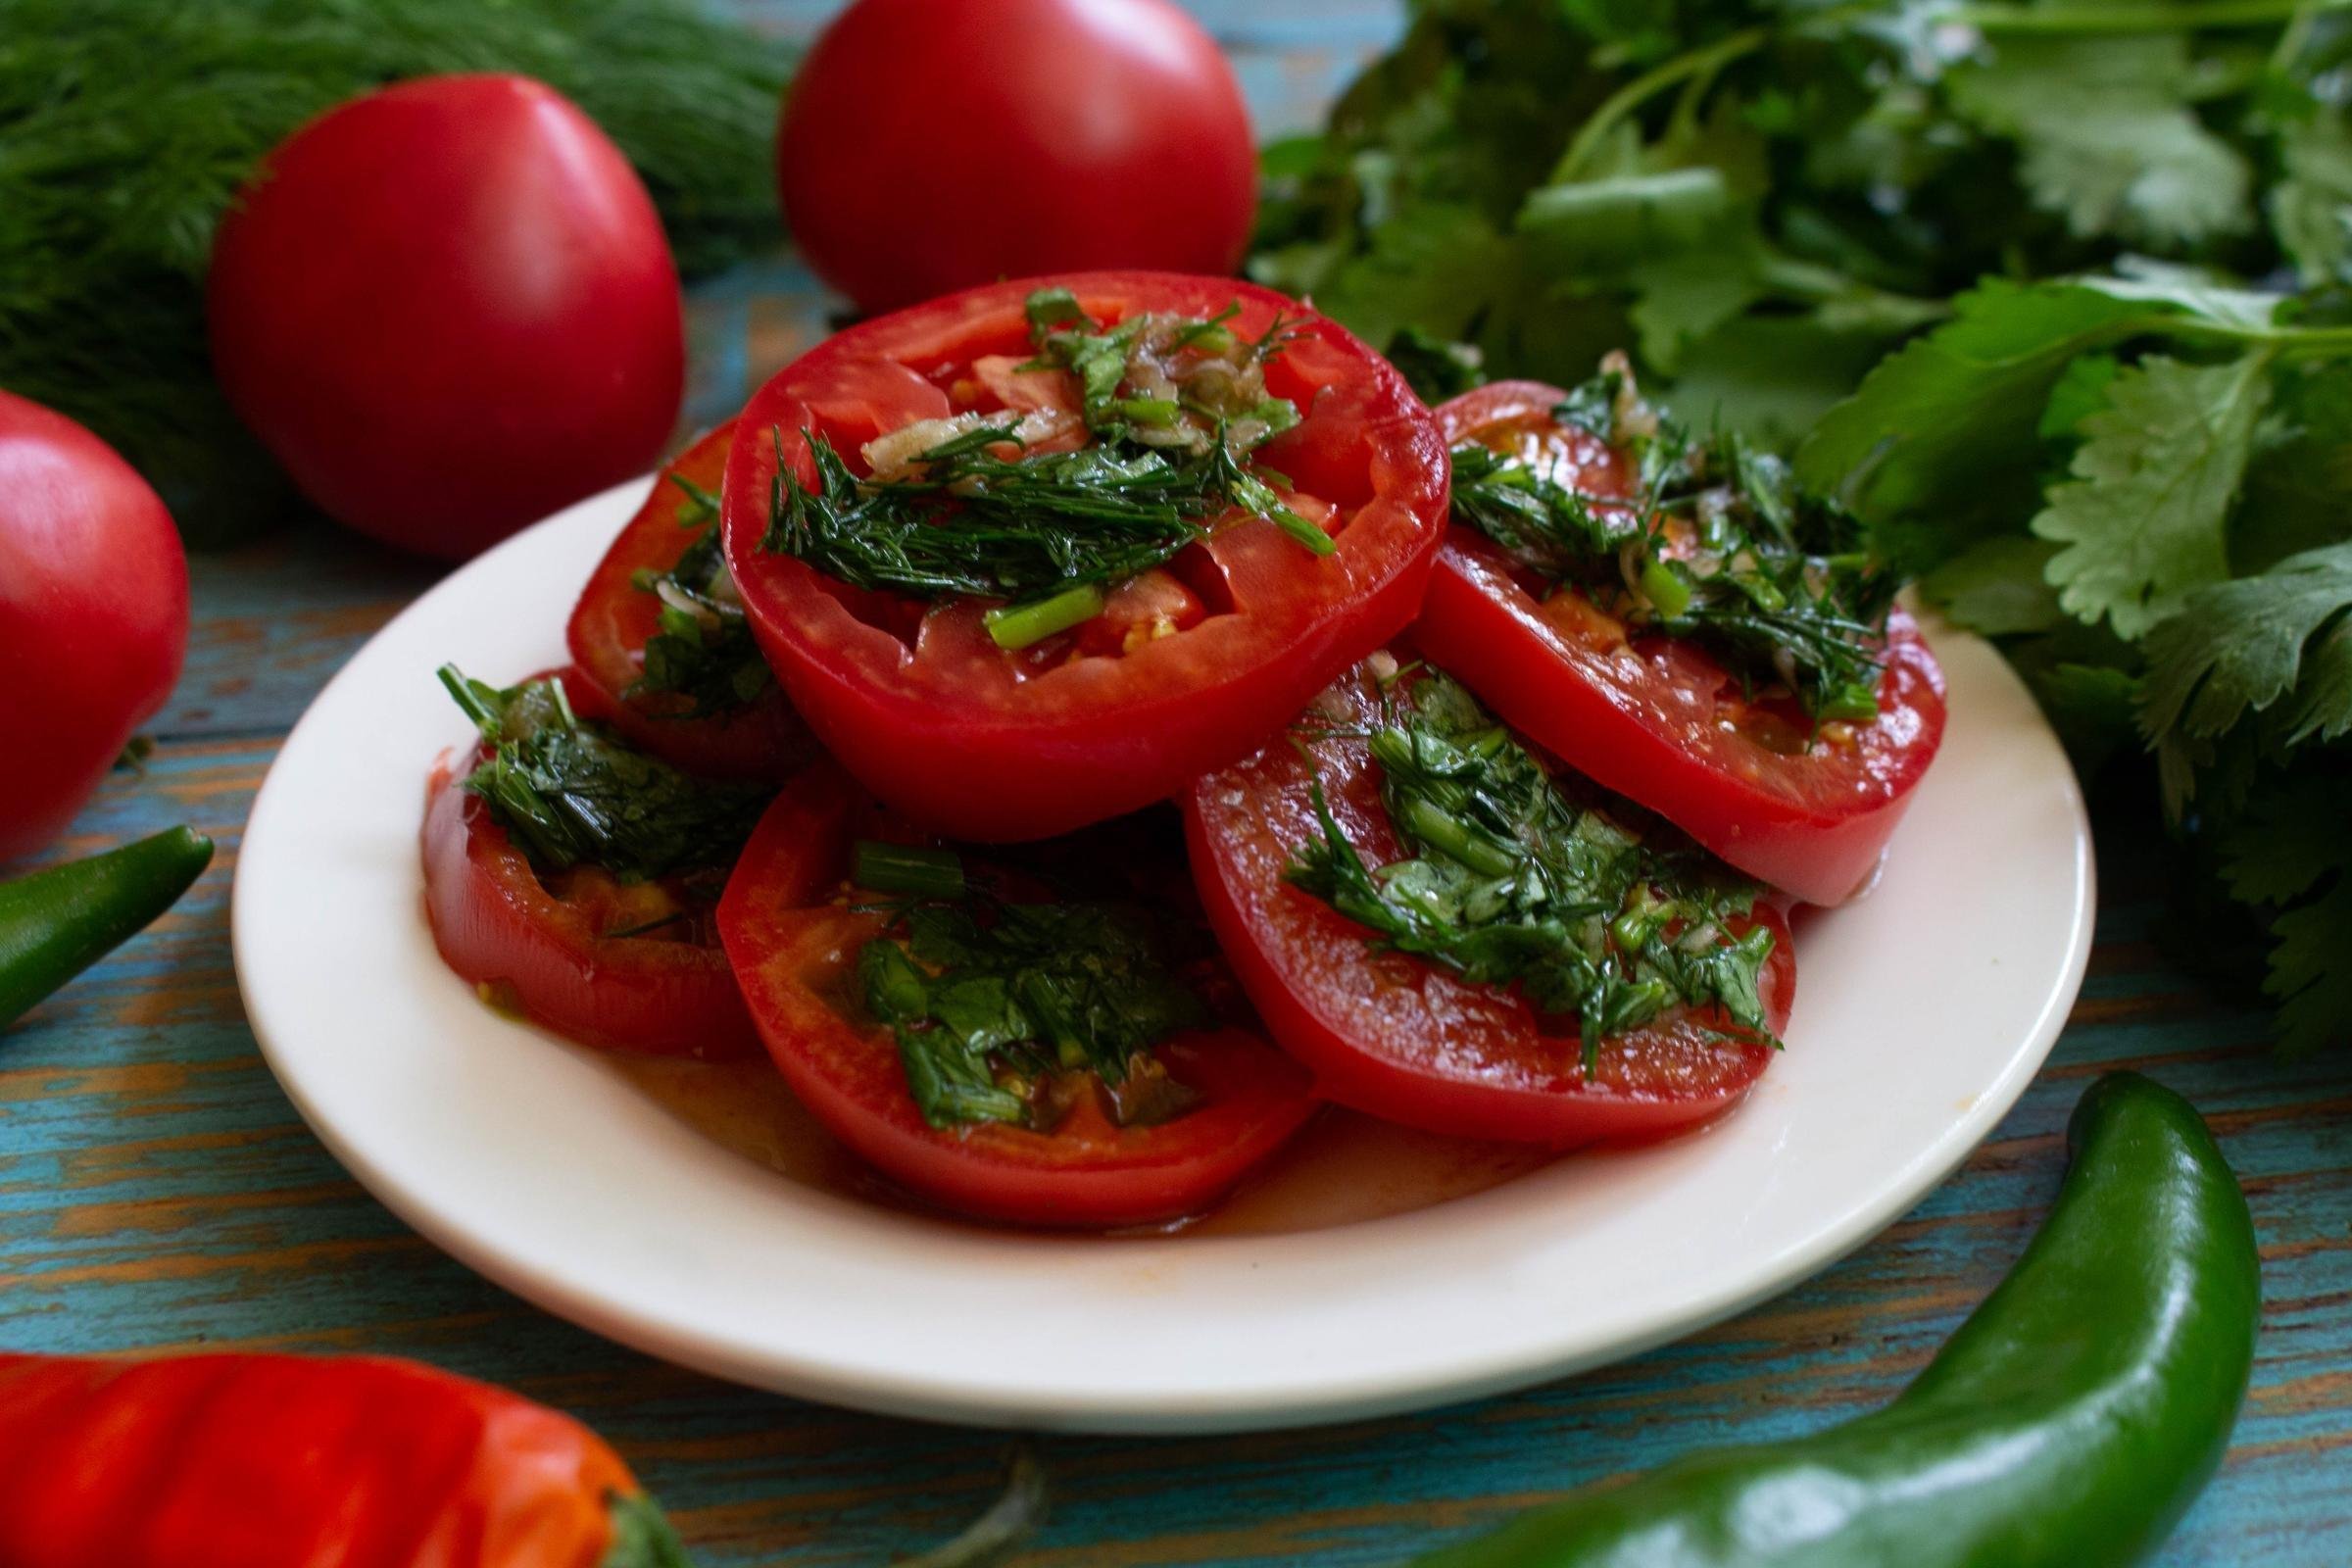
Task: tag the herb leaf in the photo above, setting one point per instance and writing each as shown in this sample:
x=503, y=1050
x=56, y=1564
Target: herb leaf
x=1511, y=882
x=572, y=794
x=2142, y=519
x=704, y=650
x=993, y=1004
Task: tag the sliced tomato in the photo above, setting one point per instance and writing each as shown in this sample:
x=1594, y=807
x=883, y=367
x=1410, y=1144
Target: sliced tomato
x=1397, y=1037
x=980, y=743
x=1658, y=718
x=543, y=945
x=615, y=619
x=794, y=930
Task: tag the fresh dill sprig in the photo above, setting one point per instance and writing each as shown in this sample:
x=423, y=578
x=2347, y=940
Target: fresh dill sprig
x=1718, y=545
x=1511, y=882
x=999, y=1008
x=571, y=793
x=704, y=650
x=1175, y=406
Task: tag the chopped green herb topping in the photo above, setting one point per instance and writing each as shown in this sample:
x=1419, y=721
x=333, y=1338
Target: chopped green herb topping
x=1174, y=407
x=997, y=1007
x=1717, y=545
x=569, y=793
x=1512, y=882
x=704, y=650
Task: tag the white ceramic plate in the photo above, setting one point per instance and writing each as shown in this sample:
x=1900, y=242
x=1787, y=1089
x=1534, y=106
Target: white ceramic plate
x=1921, y=1013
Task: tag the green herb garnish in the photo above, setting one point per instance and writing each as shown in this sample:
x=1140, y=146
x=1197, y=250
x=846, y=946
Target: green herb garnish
x=1511, y=882
x=1718, y=545
x=571, y=793
x=704, y=650
x=996, y=1005
x=1174, y=405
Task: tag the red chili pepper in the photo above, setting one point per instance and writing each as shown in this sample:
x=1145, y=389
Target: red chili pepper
x=287, y=1461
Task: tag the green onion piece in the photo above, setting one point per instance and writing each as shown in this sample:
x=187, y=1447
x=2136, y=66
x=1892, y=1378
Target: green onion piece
x=1317, y=542
x=1156, y=412
x=1666, y=591
x=1015, y=627
x=1857, y=704
x=906, y=868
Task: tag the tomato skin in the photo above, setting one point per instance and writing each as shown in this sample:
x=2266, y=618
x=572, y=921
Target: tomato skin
x=1012, y=138
x=1404, y=1040
x=93, y=616
x=495, y=923
x=291, y=1461
x=615, y=618
x=963, y=740
x=794, y=949
x=448, y=308
x=1653, y=722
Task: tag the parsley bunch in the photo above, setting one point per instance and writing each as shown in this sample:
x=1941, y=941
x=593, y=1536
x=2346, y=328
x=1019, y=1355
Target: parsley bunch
x=1718, y=544
x=2139, y=486
x=1511, y=881
x=1762, y=198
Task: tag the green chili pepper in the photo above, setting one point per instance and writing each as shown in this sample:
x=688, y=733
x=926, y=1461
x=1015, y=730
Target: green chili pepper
x=56, y=923
x=2067, y=1423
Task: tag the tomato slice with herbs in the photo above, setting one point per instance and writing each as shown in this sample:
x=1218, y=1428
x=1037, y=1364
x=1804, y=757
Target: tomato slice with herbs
x=575, y=881
x=660, y=632
x=906, y=993
x=1036, y=554
x=1680, y=623
x=1448, y=934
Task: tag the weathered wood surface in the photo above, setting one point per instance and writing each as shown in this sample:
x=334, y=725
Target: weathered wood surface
x=157, y=1189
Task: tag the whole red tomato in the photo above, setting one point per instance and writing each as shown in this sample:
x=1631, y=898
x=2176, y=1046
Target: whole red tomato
x=449, y=309
x=929, y=147
x=93, y=616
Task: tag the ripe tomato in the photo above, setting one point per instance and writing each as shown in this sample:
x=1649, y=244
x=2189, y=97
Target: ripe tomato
x=615, y=620
x=540, y=944
x=930, y=147
x=1657, y=719
x=93, y=616
x=449, y=309
x=1401, y=1038
x=982, y=742
x=794, y=929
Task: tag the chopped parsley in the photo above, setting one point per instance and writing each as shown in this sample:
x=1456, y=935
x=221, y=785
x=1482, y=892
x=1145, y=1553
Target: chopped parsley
x=1002, y=1009
x=1512, y=882
x=569, y=793
x=1718, y=545
x=1172, y=406
x=704, y=652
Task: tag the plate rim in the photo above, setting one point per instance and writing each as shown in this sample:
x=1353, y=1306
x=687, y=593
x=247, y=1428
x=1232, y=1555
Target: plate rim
x=1315, y=1400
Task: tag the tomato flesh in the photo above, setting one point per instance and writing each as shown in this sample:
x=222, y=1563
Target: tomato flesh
x=919, y=702
x=1406, y=1040
x=615, y=619
x=1658, y=719
x=543, y=944
x=794, y=937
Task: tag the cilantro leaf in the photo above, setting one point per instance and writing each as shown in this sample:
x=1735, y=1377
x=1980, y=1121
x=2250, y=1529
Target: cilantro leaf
x=1942, y=434
x=2240, y=647
x=2109, y=139
x=1996, y=588
x=2142, y=521
x=2288, y=852
x=2311, y=210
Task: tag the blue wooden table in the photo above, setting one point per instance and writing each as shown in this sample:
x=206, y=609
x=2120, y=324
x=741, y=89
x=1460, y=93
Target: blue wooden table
x=157, y=1189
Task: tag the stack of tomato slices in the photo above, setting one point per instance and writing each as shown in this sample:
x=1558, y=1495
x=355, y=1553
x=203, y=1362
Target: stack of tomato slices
x=1079, y=727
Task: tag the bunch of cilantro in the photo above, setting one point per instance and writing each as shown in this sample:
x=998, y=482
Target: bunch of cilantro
x=2057, y=294
x=1762, y=197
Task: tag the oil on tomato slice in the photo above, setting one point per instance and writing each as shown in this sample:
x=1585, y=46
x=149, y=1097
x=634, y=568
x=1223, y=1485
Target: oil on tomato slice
x=615, y=618
x=924, y=709
x=540, y=944
x=1658, y=718
x=1397, y=1037
x=790, y=930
